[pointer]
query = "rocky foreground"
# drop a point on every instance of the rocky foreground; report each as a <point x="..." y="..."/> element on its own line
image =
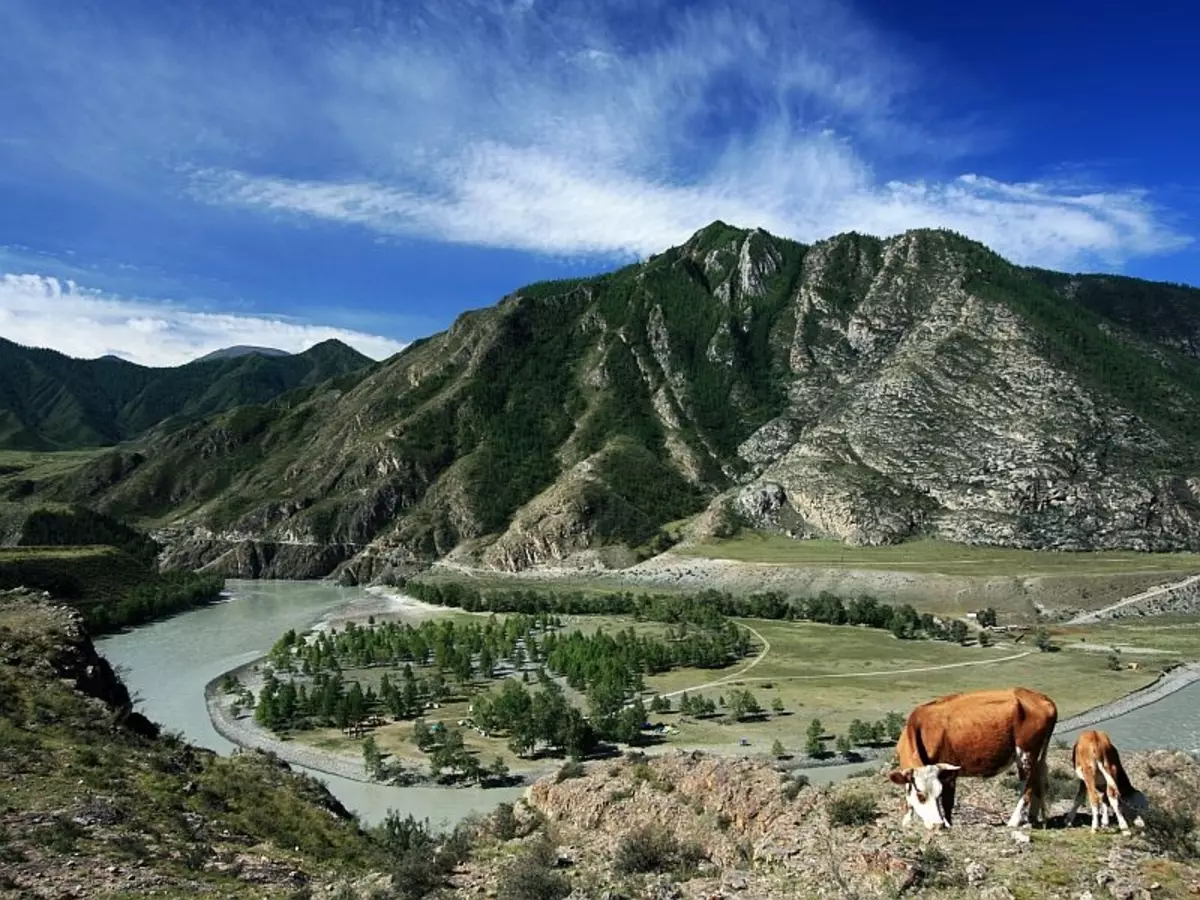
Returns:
<point x="744" y="829"/>
<point x="95" y="803"/>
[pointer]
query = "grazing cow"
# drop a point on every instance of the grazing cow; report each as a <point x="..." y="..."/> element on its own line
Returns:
<point x="978" y="734"/>
<point x="1103" y="779"/>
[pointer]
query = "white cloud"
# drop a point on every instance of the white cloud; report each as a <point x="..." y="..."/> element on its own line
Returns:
<point x="811" y="189"/>
<point x="762" y="117"/>
<point x="41" y="311"/>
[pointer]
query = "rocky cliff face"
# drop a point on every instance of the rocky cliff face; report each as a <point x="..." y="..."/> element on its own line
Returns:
<point x="862" y="389"/>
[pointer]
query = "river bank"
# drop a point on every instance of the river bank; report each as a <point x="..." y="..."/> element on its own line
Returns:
<point x="1164" y="686"/>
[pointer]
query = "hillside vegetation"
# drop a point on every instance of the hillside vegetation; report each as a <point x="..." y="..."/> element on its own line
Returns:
<point x="103" y="567"/>
<point x="98" y="804"/>
<point x="49" y="401"/>
<point x="861" y="390"/>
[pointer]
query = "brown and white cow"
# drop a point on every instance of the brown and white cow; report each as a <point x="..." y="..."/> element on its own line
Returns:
<point x="978" y="734"/>
<point x="1102" y="778"/>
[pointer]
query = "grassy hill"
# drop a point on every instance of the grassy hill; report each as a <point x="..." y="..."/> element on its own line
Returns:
<point x="101" y="566"/>
<point x="863" y="390"/>
<point x="49" y="401"/>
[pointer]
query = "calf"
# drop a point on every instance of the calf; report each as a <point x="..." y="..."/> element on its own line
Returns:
<point x="978" y="734"/>
<point x="1103" y="779"/>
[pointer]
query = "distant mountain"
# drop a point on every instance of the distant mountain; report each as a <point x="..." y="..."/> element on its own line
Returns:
<point x="49" y="401"/>
<point x="862" y="389"/>
<point x="240" y="350"/>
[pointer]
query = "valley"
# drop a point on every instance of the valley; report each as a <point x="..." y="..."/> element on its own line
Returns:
<point x="729" y="512"/>
<point x="796" y="672"/>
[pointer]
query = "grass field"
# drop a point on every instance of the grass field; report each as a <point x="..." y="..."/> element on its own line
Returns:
<point x="1177" y="637"/>
<point x="838" y="674"/>
<point x="937" y="557"/>
<point x="27" y="464"/>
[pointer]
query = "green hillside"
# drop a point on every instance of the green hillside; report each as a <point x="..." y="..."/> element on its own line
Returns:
<point x="861" y="389"/>
<point x="101" y="566"/>
<point x="49" y="401"/>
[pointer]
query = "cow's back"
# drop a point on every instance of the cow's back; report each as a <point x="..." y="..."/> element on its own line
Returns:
<point x="978" y="731"/>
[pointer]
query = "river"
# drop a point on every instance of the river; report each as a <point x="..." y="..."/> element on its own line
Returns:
<point x="1172" y="722"/>
<point x="167" y="664"/>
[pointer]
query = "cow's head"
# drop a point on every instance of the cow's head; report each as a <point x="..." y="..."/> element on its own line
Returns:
<point x="1137" y="803"/>
<point x="923" y="791"/>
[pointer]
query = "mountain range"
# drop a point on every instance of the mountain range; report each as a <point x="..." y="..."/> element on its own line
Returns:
<point x="49" y="401"/>
<point x="870" y="390"/>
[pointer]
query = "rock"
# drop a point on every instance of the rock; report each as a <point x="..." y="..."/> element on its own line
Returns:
<point x="1019" y="837"/>
<point x="976" y="872"/>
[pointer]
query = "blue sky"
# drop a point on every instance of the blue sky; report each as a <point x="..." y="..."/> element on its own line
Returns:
<point x="175" y="177"/>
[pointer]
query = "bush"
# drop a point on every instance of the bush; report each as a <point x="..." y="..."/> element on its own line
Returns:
<point x="533" y="876"/>
<point x="793" y="786"/>
<point x="852" y="810"/>
<point x="420" y="866"/>
<point x="569" y="770"/>
<point x="504" y="822"/>
<point x="653" y="848"/>
<point x="1173" y="831"/>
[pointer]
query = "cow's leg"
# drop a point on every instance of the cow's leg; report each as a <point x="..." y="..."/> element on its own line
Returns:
<point x="1024" y="773"/>
<point x="1080" y="794"/>
<point x="1114" y="799"/>
<point x="1095" y="798"/>
<point x="1041" y="785"/>
<point x="949" y="788"/>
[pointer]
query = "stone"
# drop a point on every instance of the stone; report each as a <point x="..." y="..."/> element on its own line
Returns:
<point x="976" y="872"/>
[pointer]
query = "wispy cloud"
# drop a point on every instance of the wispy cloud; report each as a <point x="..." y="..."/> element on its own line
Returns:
<point x="42" y="311"/>
<point x="555" y="126"/>
<point x="501" y="197"/>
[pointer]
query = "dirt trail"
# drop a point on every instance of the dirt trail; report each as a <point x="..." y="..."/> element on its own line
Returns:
<point x="1100" y="615"/>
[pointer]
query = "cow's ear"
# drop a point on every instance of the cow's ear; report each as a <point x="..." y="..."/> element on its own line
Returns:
<point x="900" y="776"/>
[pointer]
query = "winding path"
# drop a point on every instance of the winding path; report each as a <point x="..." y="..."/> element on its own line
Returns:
<point x="1099" y="615"/>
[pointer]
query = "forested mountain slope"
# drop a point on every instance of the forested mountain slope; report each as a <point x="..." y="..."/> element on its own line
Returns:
<point x="865" y="389"/>
<point x="49" y="401"/>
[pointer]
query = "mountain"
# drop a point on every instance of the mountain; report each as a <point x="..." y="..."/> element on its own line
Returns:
<point x="49" y="401"/>
<point x="863" y="389"/>
<point x="240" y="350"/>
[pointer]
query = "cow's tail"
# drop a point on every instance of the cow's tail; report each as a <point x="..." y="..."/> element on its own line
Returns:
<point x="1041" y="769"/>
<point x="1124" y="786"/>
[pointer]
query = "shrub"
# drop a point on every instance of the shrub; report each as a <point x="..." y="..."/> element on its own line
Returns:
<point x="533" y="876"/>
<point x="570" y="769"/>
<point x="653" y="848"/>
<point x="1174" y="831"/>
<point x="504" y="822"/>
<point x="793" y="786"/>
<point x="61" y="835"/>
<point x="852" y="810"/>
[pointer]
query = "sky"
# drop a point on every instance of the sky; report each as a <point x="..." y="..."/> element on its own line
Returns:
<point x="178" y="177"/>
